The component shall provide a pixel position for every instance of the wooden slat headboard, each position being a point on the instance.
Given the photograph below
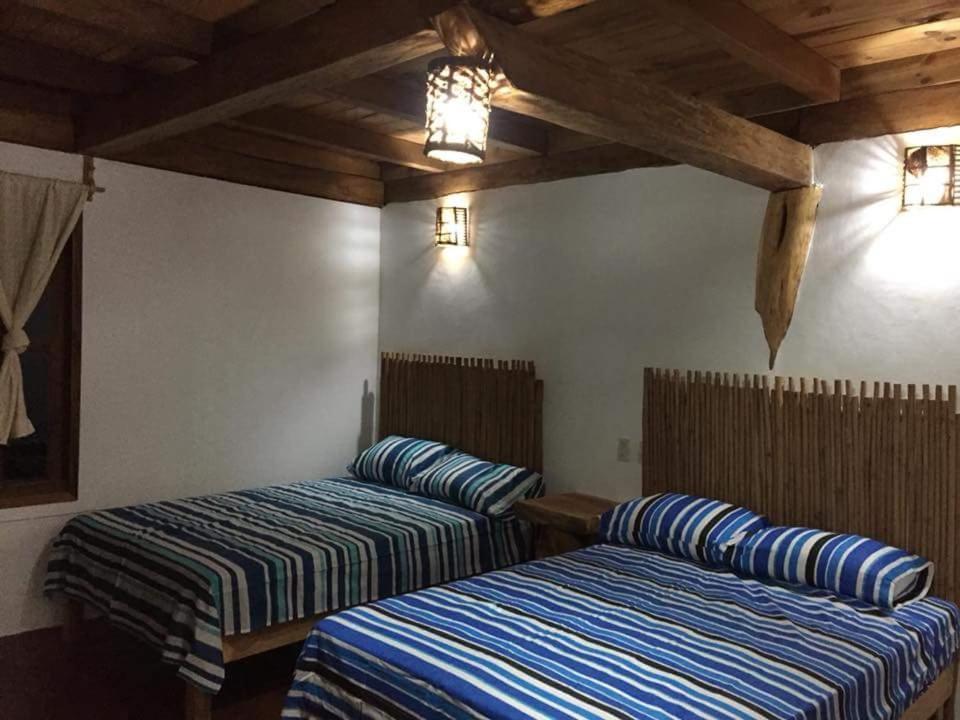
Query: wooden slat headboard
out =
(489, 408)
(871, 459)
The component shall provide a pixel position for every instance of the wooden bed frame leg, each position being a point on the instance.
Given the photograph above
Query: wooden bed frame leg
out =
(197, 705)
(949, 709)
(72, 623)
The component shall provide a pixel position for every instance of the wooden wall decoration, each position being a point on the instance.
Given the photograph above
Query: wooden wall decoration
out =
(489, 408)
(787, 232)
(869, 459)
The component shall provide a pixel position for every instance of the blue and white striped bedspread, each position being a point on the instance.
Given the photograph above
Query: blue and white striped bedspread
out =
(184, 573)
(621, 632)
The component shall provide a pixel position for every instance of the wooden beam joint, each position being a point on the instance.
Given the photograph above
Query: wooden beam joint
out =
(588, 96)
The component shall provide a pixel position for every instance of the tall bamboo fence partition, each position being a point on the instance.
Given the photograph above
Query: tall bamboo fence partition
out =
(878, 459)
(489, 408)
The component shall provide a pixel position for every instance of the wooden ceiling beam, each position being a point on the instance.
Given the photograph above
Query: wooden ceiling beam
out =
(849, 19)
(561, 22)
(895, 44)
(263, 17)
(331, 47)
(35, 99)
(870, 116)
(268, 147)
(139, 21)
(748, 37)
(42, 65)
(592, 161)
(758, 101)
(904, 74)
(522, 11)
(875, 79)
(917, 71)
(391, 96)
(306, 127)
(396, 98)
(877, 99)
(564, 140)
(38, 129)
(193, 158)
(586, 95)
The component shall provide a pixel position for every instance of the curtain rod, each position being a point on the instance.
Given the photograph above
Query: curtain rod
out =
(88, 178)
(87, 181)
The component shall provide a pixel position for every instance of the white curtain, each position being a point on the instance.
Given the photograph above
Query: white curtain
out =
(36, 219)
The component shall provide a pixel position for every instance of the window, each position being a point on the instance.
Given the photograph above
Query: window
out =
(42, 468)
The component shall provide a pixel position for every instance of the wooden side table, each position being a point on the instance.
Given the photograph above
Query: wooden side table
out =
(564, 522)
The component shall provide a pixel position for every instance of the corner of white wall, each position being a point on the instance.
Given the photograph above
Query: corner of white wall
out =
(228, 332)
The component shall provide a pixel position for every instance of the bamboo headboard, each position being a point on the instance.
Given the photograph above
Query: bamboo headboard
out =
(490, 408)
(871, 460)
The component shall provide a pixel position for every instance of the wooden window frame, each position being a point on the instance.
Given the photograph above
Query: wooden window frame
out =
(62, 475)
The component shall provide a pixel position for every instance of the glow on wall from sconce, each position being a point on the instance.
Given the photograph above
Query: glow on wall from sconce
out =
(914, 253)
(456, 200)
(454, 257)
(919, 251)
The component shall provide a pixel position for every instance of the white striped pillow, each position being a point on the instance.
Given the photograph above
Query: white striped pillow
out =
(845, 564)
(479, 485)
(692, 527)
(395, 460)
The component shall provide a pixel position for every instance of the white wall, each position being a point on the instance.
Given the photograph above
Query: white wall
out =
(596, 278)
(227, 335)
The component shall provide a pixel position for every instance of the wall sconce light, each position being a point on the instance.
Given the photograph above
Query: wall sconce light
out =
(930, 177)
(453, 226)
(458, 109)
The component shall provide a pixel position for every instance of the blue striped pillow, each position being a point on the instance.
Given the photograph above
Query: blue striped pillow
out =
(395, 460)
(479, 485)
(845, 564)
(683, 525)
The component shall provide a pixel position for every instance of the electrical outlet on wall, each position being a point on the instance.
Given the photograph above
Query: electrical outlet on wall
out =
(623, 450)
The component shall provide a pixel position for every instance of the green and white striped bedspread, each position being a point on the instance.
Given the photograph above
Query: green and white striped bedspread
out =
(182, 574)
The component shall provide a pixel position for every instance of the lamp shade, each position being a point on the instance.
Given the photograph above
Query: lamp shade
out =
(453, 226)
(458, 109)
(930, 176)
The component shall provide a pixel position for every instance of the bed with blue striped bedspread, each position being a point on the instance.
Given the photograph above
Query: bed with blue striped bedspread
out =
(182, 574)
(621, 632)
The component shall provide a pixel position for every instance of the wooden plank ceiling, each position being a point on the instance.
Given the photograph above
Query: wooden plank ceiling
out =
(326, 97)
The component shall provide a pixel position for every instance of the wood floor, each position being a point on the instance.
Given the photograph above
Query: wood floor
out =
(111, 677)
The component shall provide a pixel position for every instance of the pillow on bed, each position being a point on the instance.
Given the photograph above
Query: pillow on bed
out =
(683, 525)
(845, 564)
(395, 460)
(486, 487)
